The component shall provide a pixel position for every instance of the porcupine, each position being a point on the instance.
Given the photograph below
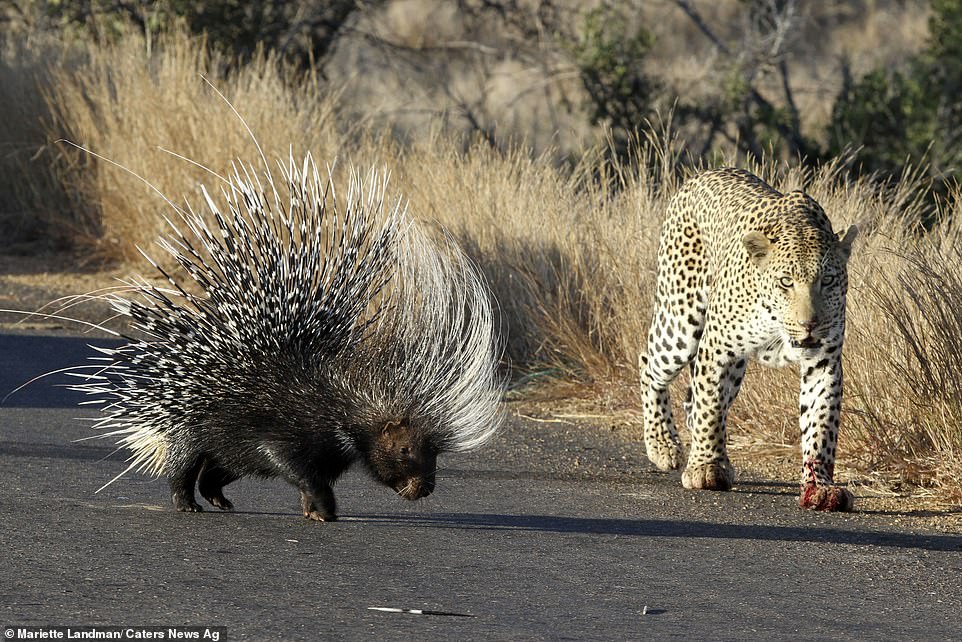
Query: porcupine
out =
(304, 333)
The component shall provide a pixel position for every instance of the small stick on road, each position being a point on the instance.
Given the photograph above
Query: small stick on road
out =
(388, 609)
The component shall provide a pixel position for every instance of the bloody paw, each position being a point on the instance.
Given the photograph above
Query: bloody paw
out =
(826, 498)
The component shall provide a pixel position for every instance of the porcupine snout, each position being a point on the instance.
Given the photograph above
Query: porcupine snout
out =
(417, 487)
(403, 458)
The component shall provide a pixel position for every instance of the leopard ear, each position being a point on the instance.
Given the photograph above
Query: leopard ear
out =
(758, 246)
(845, 243)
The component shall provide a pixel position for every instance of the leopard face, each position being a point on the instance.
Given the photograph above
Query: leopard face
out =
(802, 280)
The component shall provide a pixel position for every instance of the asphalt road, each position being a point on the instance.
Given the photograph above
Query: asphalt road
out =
(551, 532)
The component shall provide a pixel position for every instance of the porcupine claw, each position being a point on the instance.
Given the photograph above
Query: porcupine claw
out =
(186, 505)
(221, 502)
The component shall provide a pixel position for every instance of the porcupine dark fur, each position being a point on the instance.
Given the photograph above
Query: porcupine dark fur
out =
(306, 332)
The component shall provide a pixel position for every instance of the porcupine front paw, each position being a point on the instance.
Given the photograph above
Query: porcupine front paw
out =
(826, 497)
(714, 475)
(319, 509)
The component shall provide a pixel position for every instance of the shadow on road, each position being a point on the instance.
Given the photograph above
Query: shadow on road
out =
(669, 528)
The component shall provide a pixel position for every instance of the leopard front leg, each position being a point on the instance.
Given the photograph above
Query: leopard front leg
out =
(716, 379)
(820, 406)
(661, 437)
(672, 341)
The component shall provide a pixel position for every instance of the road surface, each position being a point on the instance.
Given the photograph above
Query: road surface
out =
(551, 532)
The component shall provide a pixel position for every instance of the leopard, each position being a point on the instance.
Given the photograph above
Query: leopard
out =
(746, 273)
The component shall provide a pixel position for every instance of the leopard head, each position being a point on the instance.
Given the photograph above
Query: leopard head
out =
(803, 279)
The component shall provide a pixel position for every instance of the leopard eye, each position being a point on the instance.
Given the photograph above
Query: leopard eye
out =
(786, 282)
(828, 279)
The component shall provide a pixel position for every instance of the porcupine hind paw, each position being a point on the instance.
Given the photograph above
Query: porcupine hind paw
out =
(320, 516)
(211, 482)
(219, 501)
(715, 475)
(181, 480)
(826, 498)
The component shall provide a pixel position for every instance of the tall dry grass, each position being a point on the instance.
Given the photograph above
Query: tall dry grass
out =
(570, 252)
(134, 101)
(33, 199)
(906, 353)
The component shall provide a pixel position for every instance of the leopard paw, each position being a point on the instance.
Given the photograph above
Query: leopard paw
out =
(665, 455)
(715, 475)
(827, 498)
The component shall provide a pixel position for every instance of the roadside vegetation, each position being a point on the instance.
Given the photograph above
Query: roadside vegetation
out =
(566, 235)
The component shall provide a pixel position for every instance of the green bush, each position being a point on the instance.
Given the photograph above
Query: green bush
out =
(609, 56)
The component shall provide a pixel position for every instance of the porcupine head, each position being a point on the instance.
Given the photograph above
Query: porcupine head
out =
(429, 364)
(403, 457)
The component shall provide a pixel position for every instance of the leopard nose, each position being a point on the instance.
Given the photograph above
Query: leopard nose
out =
(810, 324)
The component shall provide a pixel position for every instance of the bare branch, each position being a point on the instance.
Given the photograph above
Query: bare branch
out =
(692, 13)
(780, 21)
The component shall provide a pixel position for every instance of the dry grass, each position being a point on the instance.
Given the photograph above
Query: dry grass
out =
(524, 90)
(570, 253)
(128, 104)
(31, 195)
(906, 357)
